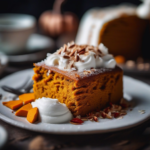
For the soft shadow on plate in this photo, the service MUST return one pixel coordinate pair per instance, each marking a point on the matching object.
(36, 49)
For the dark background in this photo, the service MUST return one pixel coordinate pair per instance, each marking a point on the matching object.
(36, 7)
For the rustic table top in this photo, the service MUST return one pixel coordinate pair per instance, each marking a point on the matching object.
(131, 139)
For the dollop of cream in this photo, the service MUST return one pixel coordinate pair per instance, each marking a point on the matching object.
(92, 60)
(52, 111)
(143, 11)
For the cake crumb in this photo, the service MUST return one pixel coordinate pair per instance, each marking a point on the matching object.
(48, 72)
(141, 111)
(120, 117)
(113, 111)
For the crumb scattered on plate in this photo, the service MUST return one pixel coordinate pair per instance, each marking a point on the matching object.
(141, 111)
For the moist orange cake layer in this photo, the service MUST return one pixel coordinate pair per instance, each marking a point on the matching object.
(81, 92)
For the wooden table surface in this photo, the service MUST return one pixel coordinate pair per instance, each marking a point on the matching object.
(135, 138)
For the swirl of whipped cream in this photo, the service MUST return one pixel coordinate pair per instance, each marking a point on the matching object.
(92, 60)
(143, 11)
(89, 61)
(52, 111)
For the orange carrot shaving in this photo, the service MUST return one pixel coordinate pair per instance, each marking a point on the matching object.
(27, 97)
(23, 111)
(32, 115)
(13, 104)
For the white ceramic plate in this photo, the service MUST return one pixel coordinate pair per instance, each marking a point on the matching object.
(3, 136)
(138, 94)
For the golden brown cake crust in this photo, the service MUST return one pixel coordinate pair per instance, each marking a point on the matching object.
(75, 75)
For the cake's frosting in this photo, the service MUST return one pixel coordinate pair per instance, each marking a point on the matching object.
(143, 10)
(52, 111)
(94, 19)
(80, 57)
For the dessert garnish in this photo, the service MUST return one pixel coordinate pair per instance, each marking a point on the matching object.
(13, 104)
(32, 115)
(112, 111)
(23, 107)
(76, 121)
(141, 111)
(80, 57)
(52, 111)
(27, 97)
(23, 111)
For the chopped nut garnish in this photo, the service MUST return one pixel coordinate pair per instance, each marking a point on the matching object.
(77, 76)
(120, 117)
(59, 51)
(86, 71)
(65, 56)
(95, 119)
(76, 121)
(73, 68)
(78, 116)
(92, 69)
(81, 49)
(84, 119)
(76, 58)
(141, 111)
(71, 44)
(72, 52)
(109, 115)
(110, 112)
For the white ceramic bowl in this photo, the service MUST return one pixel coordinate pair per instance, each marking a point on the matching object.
(15, 30)
(3, 137)
(3, 62)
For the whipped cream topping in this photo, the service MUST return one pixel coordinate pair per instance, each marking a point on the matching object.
(143, 11)
(81, 57)
(52, 111)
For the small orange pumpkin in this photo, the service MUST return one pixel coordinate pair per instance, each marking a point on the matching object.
(54, 23)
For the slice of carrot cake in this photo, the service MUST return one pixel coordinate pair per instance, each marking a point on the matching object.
(83, 77)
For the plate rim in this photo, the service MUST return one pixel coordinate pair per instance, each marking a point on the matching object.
(91, 131)
(22, 126)
(31, 56)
